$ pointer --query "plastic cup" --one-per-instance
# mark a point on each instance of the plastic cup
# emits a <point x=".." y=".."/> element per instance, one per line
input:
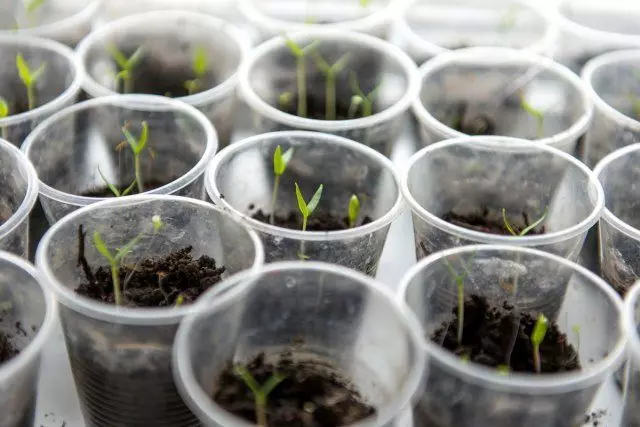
<point x="429" y="28"/>
<point x="470" y="174"/>
<point x="68" y="148"/>
<point x="486" y="85"/>
<point x="335" y="314"/>
<point x="271" y="72"/>
<point x="170" y="39"/>
<point x="120" y="356"/>
<point x="470" y="395"/>
<point x="589" y="28"/>
<point x="115" y="9"/>
<point x="57" y="87"/>
<point x="611" y="80"/>
<point x="631" y="319"/>
<point x="240" y="179"/>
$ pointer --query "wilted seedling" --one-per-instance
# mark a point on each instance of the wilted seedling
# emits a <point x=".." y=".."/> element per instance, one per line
<point x="331" y="73"/>
<point x="535" y="113"/>
<point x="126" y="65"/>
<point x="537" y="336"/>
<point x="527" y="229"/>
<point x="29" y="78"/>
<point x="260" y="392"/>
<point x="199" y="66"/>
<point x="280" y="162"/>
<point x="366" y="98"/>
<point x="354" y="210"/>
<point x="306" y="209"/>
<point x="301" y="73"/>
<point x="459" y="281"/>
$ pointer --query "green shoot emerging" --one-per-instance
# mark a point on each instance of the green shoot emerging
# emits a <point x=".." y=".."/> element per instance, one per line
<point x="354" y="210"/>
<point x="356" y="102"/>
<point x="301" y="73"/>
<point x="116" y="192"/>
<point x="179" y="300"/>
<point x="331" y="73"/>
<point x="4" y="108"/>
<point x="280" y="162"/>
<point x="503" y="369"/>
<point x="199" y="66"/>
<point x="33" y="5"/>
<point x="137" y="147"/>
<point x="512" y="230"/>
<point x="260" y="392"/>
<point x="126" y="65"/>
<point x="535" y="113"/>
<point x="459" y="281"/>
<point x="29" y="78"/>
<point x="539" y="331"/>
<point x="306" y="209"/>
<point x="366" y="99"/>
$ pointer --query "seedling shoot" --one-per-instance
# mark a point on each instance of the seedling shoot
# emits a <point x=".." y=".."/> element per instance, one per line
<point x="503" y="369"/>
<point x="4" y="108"/>
<point x="280" y="162"/>
<point x="301" y="73"/>
<point x="537" y="336"/>
<point x="535" y="113"/>
<point x="137" y="146"/>
<point x="354" y="210"/>
<point x="29" y="78"/>
<point x="199" y="66"/>
<point x="366" y="98"/>
<point x="260" y="392"/>
<point x="306" y="209"/>
<point x="356" y="102"/>
<point x="512" y="230"/>
<point x="126" y="65"/>
<point x="331" y="73"/>
<point x="459" y="281"/>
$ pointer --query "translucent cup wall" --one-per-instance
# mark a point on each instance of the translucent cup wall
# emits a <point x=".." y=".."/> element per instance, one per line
<point x="115" y="9"/>
<point x="470" y="174"/>
<point x="335" y="314"/>
<point x="471" y="395"/>
<point x="271" y="71"/>
<point x="56" y="88"/>
<point x="69" y="147"/>
<point x="429" y="28"/>
<point x="170" y="39"/>
<point x="481" y="83"/>
<point x="631" y="415"/>
<point x="612" y="81"/>
<point x="241" y="179"/>
<point x="121" y="357"/>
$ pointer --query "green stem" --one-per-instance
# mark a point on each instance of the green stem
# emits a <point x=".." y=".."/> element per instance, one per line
<point x="31" y="97"/>
<point x="367" y="107"/>
<point x="261" y="411"/>
<point x="536" y="358"/>
<point x="115" y="277"/>
<point x="136" y="161"/>
<point x="301" y="72"/>
<point x="274" y="198"/>
<point x="330" y="106"/>
<point x="460" y="311"/>
<point x="304" y="228"/>
<point x="127" y="85"/>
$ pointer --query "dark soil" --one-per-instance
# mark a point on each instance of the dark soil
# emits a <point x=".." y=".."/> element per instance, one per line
<point x="7" y="350"/>
<point x="471" y="125"/>
<point x="311" y="395"/>
<point x="316" y="108"/>
<point x="106" y="192"/>
<point x="488" y="334"/>
<point x="154" y="282"/>
<point x="319" y="221"/>
<point x="482" y="222"/>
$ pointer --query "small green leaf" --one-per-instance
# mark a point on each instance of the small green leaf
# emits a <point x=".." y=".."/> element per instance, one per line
<point x="302" y="205"/>
<point x="36" y="74"/>
<point x="313" y="203"/>
<point x="539" y="330"/>
<point x="278" y="163"/>
<point x="341" y="63"/>
<point x="365" y="3"/>
<point x="128" y="248"/>
<point x="200" y="61"/>
<point x="576" y="329"/>
<point x="111" y="187"/>
<point x="131" y="140"/>
<point x="4" y="108"/>
<point x="102" y="247"/>
<point x="285" y="98"/>
<point x="34" y="5"/>
<point x="535" y="224"/>
<point x="130" y="188"/>
<point x="503" y="369"/>
<point x="273" y="381"/>
<point x="135" y="58"/>
<point x="179" y="300"/>
<point x="157" y="223"/>
<point x="144" y="137"/>
<point x="294" y="48"/>
<point x="23" y="70"/>
<point x="286" y="158"/>
<point x="117" y="56"/>
<point x="354" y="210"/>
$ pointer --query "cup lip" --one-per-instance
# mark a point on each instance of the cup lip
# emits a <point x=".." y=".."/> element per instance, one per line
<point x="33" y="349"/>
<point x="133" y="101"/>
<point x="426" y="47"/>
<point x="594" y="34"/>
<point x="126" y="315"/>
<point x="311" y="236"/>
<point x="384" y="48"/>
<point x="596" y="64"/>
<point x="629" y="321"/>
<point x="205" y="407"/>
<point x="484" y="55"/>
<point x="502" y="143"/>
<point x="531" y="383"/>
<point x="274" y="25"/>
<point x="31" y="195"/>
<point x="124" y="24"/>
<point x="65" y="96"/>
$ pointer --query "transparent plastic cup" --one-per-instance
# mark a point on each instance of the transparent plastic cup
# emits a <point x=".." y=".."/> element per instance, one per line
<point x="464" y="394"/>
<point x="334" y="315"/>
<point x="170" y="41"/>
<point x="271" y="72"/>
<point x="121" y="356"/>
<point x="57" y="87"/>
<point x="611" y="80"/>
<point x="631" y="415"/>
<point x="18" y="195"/>
<point x="116" y="9"/>
<point x="429" y="28"/>
<point x="589" y="28"/>
<point x="240" y="178"/>
<point x="65" y="21"/>
<point x="68" y="148"/>
<point x="481" y="90"/>
<point x="472" y="174"/>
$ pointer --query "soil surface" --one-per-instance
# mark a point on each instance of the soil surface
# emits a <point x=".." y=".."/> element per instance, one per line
<point x="488" y="333"/>
<point x="311" y="395"/>
<point x="479" y="124"/>
<point x="7" y="350"/>
<point x="316" y="109"/>
<point x="154" y="282"/>
<point x="319" y="221"/>
<point x="482" y="222"/>
<point x="106" y="192"/>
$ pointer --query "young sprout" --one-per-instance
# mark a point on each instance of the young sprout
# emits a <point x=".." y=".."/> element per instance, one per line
<point x="367" y="99"/>
<point x="331" y="73"/>
<point x="260" y="392"/>
<point x="539" y="331"/>
<point x="4" y="108"/>
<point x="503" y="369"/>
<point x="527" y="229"/>
<point x="116" y="192"/>
<point x="29" y="78"/>
<point x="535" y="113"/>
<point x="459" y="280"/>
<point x="356" y="102"/>
<point x="306" y="209"/>
<point x="200" y="66"/>
<point x="354" y="210"/>
<point x="137" y="147"/>
<point x="126" y="65"/>
<point x="280" y="162"/>
<point x="179" y="300"/>
<point x="576" y="331"/>
<point x="301" y="73"/>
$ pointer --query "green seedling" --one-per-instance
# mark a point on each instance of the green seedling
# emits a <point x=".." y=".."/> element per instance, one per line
<point x="539" y="331"/>
<point x="115" y="190"/>
<point x="354" y="210"/>
<point x="29" y="78"/>
<point x="503" y="369"/>
<point x="356" y="102"/>
<point x="301" y="72"/>
<point x="126" y="65"/>
<point x="179" y="300"/>
<point x="137" y="147"/>
<point x="331" y="73"/>
<point x="306" y="209"/>
<point x="535" y="113"/>
<point x="576" y="331"/>
<point x="366" y="98"/>
<point x="512" y="230"/>
<point x="280" y="163"/>
<point x="199" y="66"/>
<point x="260" y="392"/>
<point x="4" y="108"/>
<point x="459" y="281"/>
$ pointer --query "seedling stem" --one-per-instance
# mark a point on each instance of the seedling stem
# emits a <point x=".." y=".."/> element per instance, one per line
<point x="301" y="72"/>
<point x="527" y="229"/>
<point x="331" y="73"/>
<point x="535" y="113"/>
<point x="306" y="209"/>
<point x="137" y="147"/>
<point x="280" y="162"/>
<point x="459" y="280"/>
<point x="260" y="392"/>
<point x="200" y="66"/>
<point x="354" y="210"/>
<point x="126" y="65"/>
<point x="356" y="102"/>
<point x="537" y="336"/>
<point x="367" y="99"/>
<point x="29" y="78"/>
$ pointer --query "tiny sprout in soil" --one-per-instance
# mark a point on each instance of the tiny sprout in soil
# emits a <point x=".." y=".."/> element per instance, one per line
<point x="126" y="65"/>
<point x="280" y="162"/>
<point x="331" y="73"/>
<point x="366" y="99"/>
<point x="354" y="210"/>
<point x="539" y="332"/>
<point x="260" y="392"/>
<point x="535" y="113"/>
<point x="301" y="73"/>
<point x="199" y="66"/>
<point x="514" y="232"/>
<point x="306" y="209"/>
<point x="29" y="78"/>
<point x="503" y="370"/>
<point x="459" y="281"/>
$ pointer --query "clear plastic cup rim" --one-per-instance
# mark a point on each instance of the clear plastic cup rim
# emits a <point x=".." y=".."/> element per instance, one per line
<point x="601" y="105"/>
<point x="504" y="144"/>
<point x="126" y="315"/>
<point x="34" y="348"/>
<point x="310" y="236"/>
<point x="528" y="383"/>
<point x="133" y="101"/>
<point x="596" y="35"/>
<point x="205" y="407"/>
<point x="66" y="96"/>
<point x="368" y="23"/>
<point x="121" y="25"/>
<point x="541" y="46"/>
<point x="385" y="49"/>
<point x="629" y="322"/>
<point x="491" y="56"/>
